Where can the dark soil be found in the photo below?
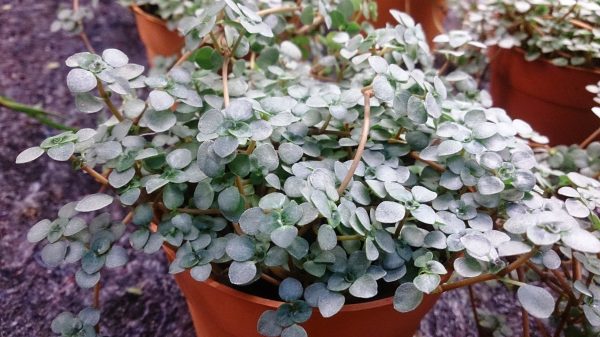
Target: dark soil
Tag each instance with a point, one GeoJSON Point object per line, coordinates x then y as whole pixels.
{"type": "Point", "coordinates": [140, 299]}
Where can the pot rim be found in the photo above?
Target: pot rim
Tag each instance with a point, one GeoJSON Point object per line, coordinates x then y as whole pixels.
{"type": "Point", "coordinates": [275, 304]}
{"type": "Point", "coordinates": [147, 16]}
{"type": "Point", "coordinates": [521, 51]}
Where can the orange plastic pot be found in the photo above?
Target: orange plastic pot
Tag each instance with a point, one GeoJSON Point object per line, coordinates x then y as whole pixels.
{"type": "Point", "coordinates": [429, 13]}
{"type": "Point", "coordinates": [158, 39]}
{"type": "Point", "coordinates": [552, 99]}
{"type": "Point", "coordinates": [220, 311]}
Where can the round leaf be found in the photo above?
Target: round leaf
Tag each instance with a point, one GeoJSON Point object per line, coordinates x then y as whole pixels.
{"type": "Point", "coordinates": [389, 212]}
{"type": "Point", "coordinates": [241, 273]}
{"type": "Point", "coordinates": [537, 301]}
{"type": "Point", "coordinates": [407, 297]}
{"type": "Point", "coordinates": [80, 80]}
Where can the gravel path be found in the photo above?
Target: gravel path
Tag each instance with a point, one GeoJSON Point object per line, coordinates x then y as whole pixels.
{"type": "Point", "coordinates": [142, 300]}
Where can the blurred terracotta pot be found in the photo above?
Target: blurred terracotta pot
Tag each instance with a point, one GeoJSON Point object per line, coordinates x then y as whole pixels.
{"type": "Point", "coordinates": [158, 39]}
{"type": "Point", "coordinates": [429, 13]}
{"type": "Point", "coordinates": [552, 99]}
{"type": "Point", "coordinates": [220, 311]}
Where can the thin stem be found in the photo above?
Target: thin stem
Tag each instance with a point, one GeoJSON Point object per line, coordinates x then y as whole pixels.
{"type": "Point", "coordinates": [544, 277]}
{"type": "Point", "coordinates": [415, 155]}
{"type": "Point", "coordinates": [277, 10]}
{"type": "Point", "coordinates": [225, 73]}
{"type": "Point", "coordinates": [86, 41]}
{"type": "Point", "coordinates": [563, 319]}
{"type": "Point", "coordinates": [581, 24]}
{"type": "Point", "coordinates": [215, 42]}
{"type": "Point", "coordinates": [96, 304]}
{"type": "Point", "coordinates": [113, 109]}
{"type": "Point", "coordinates": [524, 313]}
{"type": "Point", "coordinates": [563, 283]}
{"type": "Point", "coordinates": [361, 145]}
{"type": "Point", "coordinates": [486, 277]}
{"type": "Point", "coordinates": [252, 60]}
{"type": "Point", "coordinates": [576, 270]}
{"type": "Point", "coordinates": [97, 176]}
{"type": "Point", "coordinates": [127, 218]}
{"type": "Point", "coordinates": [590, 139]}
{"type": "Point", "coordinates": [251, 147]}
{"type": "Point", "coordinates": [400, 225]}
{"type": "Point", "coordinates": [474, 309]}
{"type": "Point", "coordinates": [236, 44]}
{"type": "Point", "coordinates": [325, 124]}
{"type": "Point", "coordinates": [35, 113]}
{"type": "Point", "coordinates": [541, 328]}
{"type": "Point", "coordinates": [350, 237]}
{"type": "Point", "coordinates": [509, 280]}
{"type": "Point", "coordinates": [83, 35]}
{"type": "Point", "coordinates": [193, 211]}
{"type": "Point", "coordinates": [269, 279]}
{"type": "Point", "coordinates": [185, 56]}
{"type": "Point", "coordinates": [316, 23]}
{"type": "Point", "coordinates": [315, 131]}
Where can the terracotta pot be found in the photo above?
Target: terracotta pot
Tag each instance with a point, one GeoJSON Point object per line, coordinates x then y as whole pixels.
{"type": "Point", "coordinates": [429, 13]}
{"type": "Point", "coordinates": [220, 311]}
{"type": "Point", "coordinates": [552, 99]}
{"type": "Point", "coordinates": [158, 39]}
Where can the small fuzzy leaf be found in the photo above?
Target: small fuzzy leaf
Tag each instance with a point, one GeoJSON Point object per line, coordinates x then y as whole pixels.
{"type": "Point", "coordinates": [290, 289]}
{"type": "Point", "coordinates": [327, 237]}
{"type": "Point", "coordinates": [389, 212]}
{"type": "Point", "coordinates": [29, 154]}
{"type": "Point", "coordinates": [537, 301]}
{"type": "Point", "coordinates": [80, 80]}
{"type": "Point", "coordinates": [407, 297]}
{"type": "Point", "coordinates": [94, 202]}
{"type": "Point", "coordinates": [242, 272]}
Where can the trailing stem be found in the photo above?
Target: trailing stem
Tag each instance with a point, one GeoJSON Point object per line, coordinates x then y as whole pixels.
{"type": "Point", "coordinates": [225, 86]}
{"type": "Point", "coordinates": [35, 113]}
{"type": "Point", "coordinates": [590, 139]}
{"type": "Point", "coordinates": [106, 98]}
{"type": "Point", "coordinates": [361, 145]}
{"type": "Point", "coordinates": [524, 313]}
{"type": "Point", "coordinates": [486, 277]}
{"type": "Point", "coordinates": [83, 35]}
{"type": "Point", "coordinates": [474, 309]}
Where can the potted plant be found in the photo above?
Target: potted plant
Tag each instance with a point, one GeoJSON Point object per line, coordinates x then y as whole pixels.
{"type": "Point", "coordinates": [545, 53]}
{"type": "Point", "coordinates": [156, 21]}
{"type": "Point", "coordinates": [297, 197]}
{"type": "Point", "coordinates": [429, 13]}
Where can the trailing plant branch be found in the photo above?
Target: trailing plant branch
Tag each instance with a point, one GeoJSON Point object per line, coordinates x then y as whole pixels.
{"type": "Point", "coordinates": [590, 139]}
{"type": "Point", "coordinates": [82, 34]}
{"type": "Point", "coordinates": [361, 144]}
{"type": "Point", "coordinates": [106, 98]}
{"type": "Point", "coordinates": [486, 277]}
{"type": "Point", "coordinates": [35, 113]}
{"type": "Point", "coordinates": [277, 10]}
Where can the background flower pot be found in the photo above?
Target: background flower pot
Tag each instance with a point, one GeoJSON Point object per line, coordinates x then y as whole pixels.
{"type": "Point", "coordinates": [220, 311]}
{"type": "Point", "coordinates": [552, 99]}
{"type": "Point", "coordinates": [158, 39]}
{"type": "Point", "coordinates": [429, 13]}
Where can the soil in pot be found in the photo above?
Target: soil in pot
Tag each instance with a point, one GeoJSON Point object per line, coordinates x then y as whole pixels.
{"type": "Point", "coordinates": [218, 310]}
{"type": "Point", "coordinates": [429, 13]}
{"type": "Point", "coordinates": [552, 99]}
{"type": "Point", "coordinates": [158, 39]}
